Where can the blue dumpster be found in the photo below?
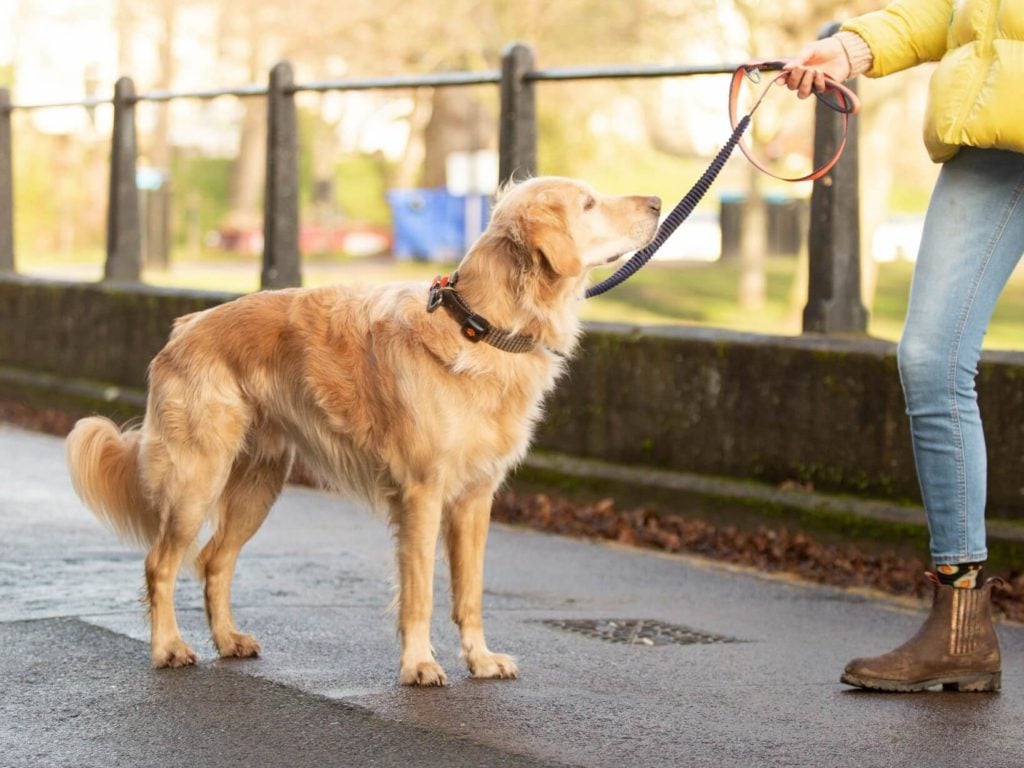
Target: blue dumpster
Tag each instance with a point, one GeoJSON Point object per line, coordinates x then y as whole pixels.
{"type": "Point", "coordinates": [430, 224]}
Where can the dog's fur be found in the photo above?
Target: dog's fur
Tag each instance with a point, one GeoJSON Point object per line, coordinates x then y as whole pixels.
{"type": "Point", "coordinates": [376, 396]}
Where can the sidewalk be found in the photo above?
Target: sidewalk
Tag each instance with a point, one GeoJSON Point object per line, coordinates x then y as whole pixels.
{"type": "Point", "coordinates": [314, 586]}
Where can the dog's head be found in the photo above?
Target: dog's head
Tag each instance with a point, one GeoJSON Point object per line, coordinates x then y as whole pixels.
{"type": "Point", "coordinates": [564, 226]}
{"type": "Point", "coordinates": [527, 271]}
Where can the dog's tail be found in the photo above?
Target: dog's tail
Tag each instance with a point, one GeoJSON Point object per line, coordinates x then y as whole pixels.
{"type": "Point", "coordinates": [104, 465]}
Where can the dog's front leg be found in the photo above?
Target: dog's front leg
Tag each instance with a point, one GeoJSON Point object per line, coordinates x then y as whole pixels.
{"type": "Point", "coordinates": [419, 523]}
{"type": "Point", "coordinates": [468, 522]}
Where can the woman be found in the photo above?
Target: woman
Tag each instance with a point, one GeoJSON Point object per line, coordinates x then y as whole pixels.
{"type": "Point", "coordinates": [973, 239]}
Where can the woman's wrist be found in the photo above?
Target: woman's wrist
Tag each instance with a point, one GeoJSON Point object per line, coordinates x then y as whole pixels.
{"type": "Point", "coordinates": [858, 53]}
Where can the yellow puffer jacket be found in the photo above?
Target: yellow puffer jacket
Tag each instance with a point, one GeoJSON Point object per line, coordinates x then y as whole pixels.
{"type": "Point", "coordinates": [976, 96]}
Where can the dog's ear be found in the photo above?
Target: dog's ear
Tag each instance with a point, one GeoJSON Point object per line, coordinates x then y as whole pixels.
{"type": "Point", "coordinates": [547, 236]}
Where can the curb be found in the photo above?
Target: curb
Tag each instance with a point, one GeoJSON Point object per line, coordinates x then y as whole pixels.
{"type": "Point", "coordinates": [875, 525]}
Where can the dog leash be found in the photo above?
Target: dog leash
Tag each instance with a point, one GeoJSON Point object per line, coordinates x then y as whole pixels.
{"type": "Point", "coordinates": [835, 96]}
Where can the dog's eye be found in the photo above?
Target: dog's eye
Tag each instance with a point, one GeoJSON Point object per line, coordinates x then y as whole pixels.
{"type": "Point", "coordinates": [590, 203]}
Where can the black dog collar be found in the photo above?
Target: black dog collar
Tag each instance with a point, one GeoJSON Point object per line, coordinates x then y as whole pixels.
{"type": "Point", "coordinates": [473, 326]}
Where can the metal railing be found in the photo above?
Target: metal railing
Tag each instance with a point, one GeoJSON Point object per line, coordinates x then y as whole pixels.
{"type": "Point", "coordinates": [834, 304]}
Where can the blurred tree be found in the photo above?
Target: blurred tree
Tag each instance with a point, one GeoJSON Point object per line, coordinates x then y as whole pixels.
{"type": "Point", "coordinates": [773, 30]}
{"type": "Point", "coordinates": [244, 35]}
{"type": "Point", "coordinates": [159, 149]}
{"type": "Point", "coordinates": [125, 12]}
{"type": "Point", "coordinates": [361, 38]}
{"type": "Point", "coordinates": [455, 34]}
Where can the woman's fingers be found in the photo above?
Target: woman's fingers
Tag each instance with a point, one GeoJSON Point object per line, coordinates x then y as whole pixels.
{"type": "Point", "coordinates": [801, 80]}
{"type": "Point", "coordinates": [819, 82]}
{"type": "Point", "coordinates": [807, 81]}
{"type": "Point", "coordinates": [806, 71]}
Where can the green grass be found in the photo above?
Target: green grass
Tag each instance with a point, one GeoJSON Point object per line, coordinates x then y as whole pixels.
{"type": "Point", "coordinates": [1006, 330]}
{"type": "Point", "coordinates": [699, 293]}
{"type": "Point", "coordinates": [661, 293]}
{"type": "Point", "coordinates": [705, 294]}
{"type": "Point", "coordinates": [360, 190]}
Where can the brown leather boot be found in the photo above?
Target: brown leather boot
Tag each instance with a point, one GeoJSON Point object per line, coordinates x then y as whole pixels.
{"type": "Point", "coordinates": [955, 648]}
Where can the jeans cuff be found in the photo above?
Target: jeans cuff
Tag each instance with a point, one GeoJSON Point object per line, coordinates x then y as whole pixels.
{"type": "Point", "coordinates": [970, 557]}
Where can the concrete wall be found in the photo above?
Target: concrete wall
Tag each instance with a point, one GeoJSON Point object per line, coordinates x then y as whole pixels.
{"type": "Point", "coordinates": [83, 346]}
{"type": "Point", "coordinates": [827, 411]}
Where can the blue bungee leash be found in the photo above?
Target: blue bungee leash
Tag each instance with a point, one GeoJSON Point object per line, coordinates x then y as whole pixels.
{"type": "Point", "coordinates": [845, 103]}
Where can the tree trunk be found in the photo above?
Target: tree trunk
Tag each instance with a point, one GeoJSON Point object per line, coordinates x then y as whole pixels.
{"type": "Point", "coordinates": [457, 123]}
{"type": "Point", "coordinates": [876, 163]}
{"type": "Point", "coordinates": [407, 174]}
{"type": "Point", "coordinates": [325, 153]}
{"type": "Point", "coordinates": [753, 245]}
{"type": "Point", "coordinates": [246, 194]}
{"type": "Point", "coordinates": [125, 24]}
{"type": "Point", "coordinates": [160, 150]}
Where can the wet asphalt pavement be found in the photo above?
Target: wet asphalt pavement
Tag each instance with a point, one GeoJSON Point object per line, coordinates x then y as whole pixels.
{"type": "Point", "coordinates": [314, 587]}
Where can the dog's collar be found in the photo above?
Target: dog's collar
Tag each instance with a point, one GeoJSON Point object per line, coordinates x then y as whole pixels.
{"type": "Point", "coordinates": [474, 327]}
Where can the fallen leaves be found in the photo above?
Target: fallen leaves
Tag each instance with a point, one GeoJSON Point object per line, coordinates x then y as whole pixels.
{"type": "Point", "coordinates": [765, 548]}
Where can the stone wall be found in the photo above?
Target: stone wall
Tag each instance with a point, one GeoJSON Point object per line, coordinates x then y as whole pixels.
{"type": "Point", "coordinates": [811, 409]}
{"type": "Point", "coordinates": [825, 411]}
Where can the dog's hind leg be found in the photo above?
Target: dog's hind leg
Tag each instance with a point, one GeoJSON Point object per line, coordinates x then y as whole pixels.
{"type": "Point", "coordinates": [182, 518]}
{"type": "Point", "coordinates": [188, 454]}
{"type": "Point", "coordinates": [417, 516]}
{"type": "Point", "coordinates": [252, 487]}
{"type": "Point", "coordinates": [466, 538]}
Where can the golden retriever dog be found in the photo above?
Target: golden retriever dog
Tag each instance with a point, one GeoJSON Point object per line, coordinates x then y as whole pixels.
{"type": "Point", "coordinates": [420, 412]}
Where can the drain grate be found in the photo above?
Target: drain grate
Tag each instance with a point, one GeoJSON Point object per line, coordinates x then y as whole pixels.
{"type": "Point", "coordinates": [637, 631]}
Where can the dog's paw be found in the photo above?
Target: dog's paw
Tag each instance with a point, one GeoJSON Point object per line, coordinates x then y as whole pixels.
{"type": "Point", "coordinates": [173, 654]}
{"type": "Point", "coordinates": [492, 665]}
{"type": "Point", "coordinates": [237, 645]}
{"type": "Point", "coordinates": [425, 674]}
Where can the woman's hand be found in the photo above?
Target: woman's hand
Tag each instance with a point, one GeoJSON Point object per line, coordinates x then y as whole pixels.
{"type": "Point", "coordinates": [806, 71]}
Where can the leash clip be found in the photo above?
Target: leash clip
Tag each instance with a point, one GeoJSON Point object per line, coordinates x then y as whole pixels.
{"type": "Point", "coordinates": [435, 298]}
{"type": "Point", "coordinates": [753, 71]}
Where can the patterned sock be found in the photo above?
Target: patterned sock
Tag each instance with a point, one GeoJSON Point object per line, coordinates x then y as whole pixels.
{"type": "Point", "coordinates": [962, 576]}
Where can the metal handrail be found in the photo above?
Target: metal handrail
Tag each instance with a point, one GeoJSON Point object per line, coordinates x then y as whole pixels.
{"type": "Point", "coordinates": [242, 91]}
{"type": "Point", "coordinates": [155, 96]}
{"type": "Point", "coordinates": [87, 103]}
{"type": "Point", "coordinates": [834, 283]}
{"type": "Point", "coordinates": [436, 80]}
{"type": "Point", "coordinates": [627, 71]}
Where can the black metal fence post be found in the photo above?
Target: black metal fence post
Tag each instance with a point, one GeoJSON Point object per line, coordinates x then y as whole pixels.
{"type": "Point", "coordinates": [124, 239]}
{"type": "Point", "coordinates": [834, 302]}
{"type": "Point", "coordinates": [517, 141]}
{"type": "Point", "coordinates": [6, 185]}
{"type": "Point", "coordinates": [281, 268]}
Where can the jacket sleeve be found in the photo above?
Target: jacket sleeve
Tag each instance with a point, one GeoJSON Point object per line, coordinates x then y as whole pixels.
{"type": "Point", "coordinates": [904, 33]}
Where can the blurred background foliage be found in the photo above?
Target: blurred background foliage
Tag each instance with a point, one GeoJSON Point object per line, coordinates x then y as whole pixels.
{"type": "Point", "coordinates": [650, 136]}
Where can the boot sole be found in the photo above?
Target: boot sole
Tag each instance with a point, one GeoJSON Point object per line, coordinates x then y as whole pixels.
{"type": "Point", "coordinates": [974, 683]}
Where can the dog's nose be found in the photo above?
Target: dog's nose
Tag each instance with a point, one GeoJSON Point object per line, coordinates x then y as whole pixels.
{"type": "Point", "coordinates": [654, 203]}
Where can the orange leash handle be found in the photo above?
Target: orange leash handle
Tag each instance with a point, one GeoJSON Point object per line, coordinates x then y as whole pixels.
{"type": "Point", "coordinates": [836, 96]}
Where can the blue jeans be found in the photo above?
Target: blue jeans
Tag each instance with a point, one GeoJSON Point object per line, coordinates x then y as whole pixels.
{"type": "Point", "coordinates": [973, 239]}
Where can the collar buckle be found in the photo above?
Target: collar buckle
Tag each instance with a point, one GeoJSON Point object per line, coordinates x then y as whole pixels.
{"type": "Point", "coordinates": [435, 298]}
{"type": "Point", "coordinates": [473, 327]}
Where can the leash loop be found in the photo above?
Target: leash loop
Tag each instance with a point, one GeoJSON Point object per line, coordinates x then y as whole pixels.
{"type": "Point", "coordinates": [845, 103]}
{"type": "Point", "coordinates": [836, 97]}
